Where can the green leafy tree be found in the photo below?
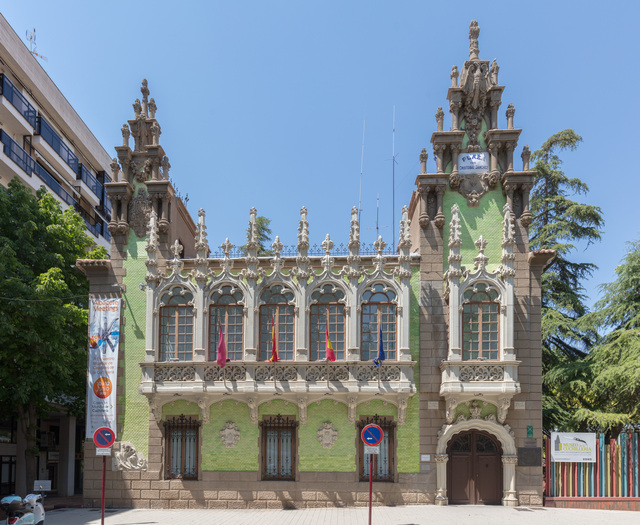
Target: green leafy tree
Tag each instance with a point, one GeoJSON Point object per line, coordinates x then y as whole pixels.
{"type": "Point", "coordinates": [614, 362]}
{"type": "Point", "coordinates": [559, 223]}
{"type": "Point", "coordinates": [263, 227]}
{"type": "Point", "coordinates": [43, 308]}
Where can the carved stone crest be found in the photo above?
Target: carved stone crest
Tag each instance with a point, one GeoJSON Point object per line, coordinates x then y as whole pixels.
{"type": "Point", "coordinates": [473, 186]}
{"type": "Point", "coordinates": [139, 212]}
{"type": "Point", "coordinates": [327, 435]}
{"type": "Point", "coordinates": [230, 435]}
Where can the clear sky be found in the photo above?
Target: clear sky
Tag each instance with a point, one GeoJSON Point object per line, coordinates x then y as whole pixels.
{"type": "Point", "coordinates": [262, 103]}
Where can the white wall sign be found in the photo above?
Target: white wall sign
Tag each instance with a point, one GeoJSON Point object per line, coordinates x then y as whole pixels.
{"type": "Point", "coordinates": [573, 447]}
{"type": "Point", "coordinates": [104, 340]}
{"type": "Point", "coordinates": [473, 162]}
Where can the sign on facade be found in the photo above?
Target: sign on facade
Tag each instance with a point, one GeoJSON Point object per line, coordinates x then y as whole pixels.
{"type": "Point", "coordinates": [473, 162]}
{"type": "Point", "coordinates": [104, 338]}
{"type": "Point", "coordinates": [573, 447]}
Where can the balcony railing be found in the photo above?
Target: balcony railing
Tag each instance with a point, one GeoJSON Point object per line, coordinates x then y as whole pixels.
{"type": "Point", "coordinates": [26, 163]}
{"type": "Point", "coordinates": [96, 229]}
{"type": "Point", "coordinates": [346, 376]}
{"type": "Point", "coordinates": [17, 100]}
{"type": "Point", "coordinates": [105, 231]}
{"type": "Point", "coordinates": [92, 183]}
{"type": "Point", "coordinates": [44, 129]}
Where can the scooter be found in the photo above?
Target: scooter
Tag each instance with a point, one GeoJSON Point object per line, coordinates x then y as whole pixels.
{"type": "Point", "coordinates": [27, 511]}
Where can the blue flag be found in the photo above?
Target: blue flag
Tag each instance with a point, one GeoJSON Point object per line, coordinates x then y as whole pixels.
{"type": "Point", "coordinates": [381, 357]}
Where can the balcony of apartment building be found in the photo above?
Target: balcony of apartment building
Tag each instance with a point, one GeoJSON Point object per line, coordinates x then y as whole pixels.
{"type": "Point", "coordinates": [50, 145]}
{"type": "Point", "coordinates": [15, 110]}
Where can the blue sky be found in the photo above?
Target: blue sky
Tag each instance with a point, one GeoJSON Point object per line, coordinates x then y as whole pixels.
{"type": "Point", "coordinates": [262, 103]}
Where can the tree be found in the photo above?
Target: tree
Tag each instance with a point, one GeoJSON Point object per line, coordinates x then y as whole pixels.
{"type": "Point", "coordinates": [264, 236]}
{"type": "Point", "coordinates": [614, 360]}
{"type": "Point", "coordinates": [43, 308]}
{"type": "Point", "coordinates": [559, 222]}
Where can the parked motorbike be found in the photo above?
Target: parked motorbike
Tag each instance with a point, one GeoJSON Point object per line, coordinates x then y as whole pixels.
{"type": "Point", "coordinates": [27, 511]}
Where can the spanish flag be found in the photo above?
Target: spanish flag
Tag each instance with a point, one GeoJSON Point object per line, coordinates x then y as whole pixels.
{"type": "Point", "coordinates": [331, 356]}
{"type": "Point", "coordinates": [274, 349]}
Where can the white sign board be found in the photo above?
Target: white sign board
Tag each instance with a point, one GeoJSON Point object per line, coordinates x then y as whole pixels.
{"type": "Point", "coordinates": [372, 450]}
{"type": "Point", "coordinates": [103, 451]}
{"type": "Point", "coordinates": [477, 162]}
{"type": "Point", "coordinates": [104, 339]}
{"type": "Point", "coordinates": [41, 485]}
{"type": "Point", "coordinates": [573, 447]}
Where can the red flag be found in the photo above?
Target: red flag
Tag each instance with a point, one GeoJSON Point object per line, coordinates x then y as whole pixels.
{"type": "Point", "coordinates": [274, 346]}
{"type": "Point", "coordinates": [331, 356]}
{"type": "Point", "coordinates": [222, 350]}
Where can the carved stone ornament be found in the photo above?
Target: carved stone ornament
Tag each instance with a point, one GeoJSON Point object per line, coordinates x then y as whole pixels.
{"type": "Point", "coordinates": [126, 457]}
{"type": "Point", "coordinates": [327, 435]}
{"type": "Point", "coordinates": [139, 212]}
{"type": "Point", "coordinates": [230, 435]}
{"type": "Point", "coordinates": [473, 186]}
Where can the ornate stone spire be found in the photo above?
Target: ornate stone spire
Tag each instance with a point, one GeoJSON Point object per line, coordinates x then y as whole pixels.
{"type": "Point", "coordinates": [226, 261]}
{"type": "Point", "coordinates": [474, 32]}
{"type": "Point", "coordinates": [202, 248]}
{"type": "Point", "coordinates": [302, 261]}
{"type": "Point", "coordinates": [152, 250]}
{"type": "Point", "coordinates": [327, 260]}
{"type": "Point", "coordinates": [455, 257]}
{"type": "Point", "coordinates": [404, 240]}
{"type": "Point", "coordinates": [353, 270]}
{"type": "Point", "coordinates": [176, 264]}
{"type": "Point", "coordinates": [507, 268]}
{"type": "Point", "coordinates": [480, 261]}
{"type": "Point", "coordinates": [379, 259]}
{"type": "Point", "coordinates": [251, 271]}
{"type": "Point", "coordinates": [276, 262]}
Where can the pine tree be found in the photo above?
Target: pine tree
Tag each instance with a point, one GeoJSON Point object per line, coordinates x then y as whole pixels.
{"type": "Point", "coordinates": [559, 223]}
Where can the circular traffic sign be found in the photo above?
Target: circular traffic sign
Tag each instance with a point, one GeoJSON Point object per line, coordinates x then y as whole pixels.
{"type": "Point", "coordinates": [104, 437]}
{"type": "Point", "coordinates": [372, 435]}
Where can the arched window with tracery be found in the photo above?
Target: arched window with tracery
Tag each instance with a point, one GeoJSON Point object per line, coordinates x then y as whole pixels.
{"type": "Point", "coordinates": [480, 323]}
{"type": "Point", "coordinates": [378, 313]}
{"type": "Point", "coordinates": [276, 309]}
{"type": "Point", "coordinates": [226, 312]}
{"type": "Point", "coordinates": [326, 313]}
{"type": "Point", "coordinates": [176, 325]}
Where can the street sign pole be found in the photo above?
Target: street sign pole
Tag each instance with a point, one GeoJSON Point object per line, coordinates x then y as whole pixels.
{"type": "Point", "coordinates": [103, 438]}
{"type": "Point", "coordinates": [371, 436]}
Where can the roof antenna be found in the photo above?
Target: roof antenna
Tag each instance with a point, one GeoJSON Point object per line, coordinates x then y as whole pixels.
{"type": "Point", "coordinates": [361, 165]}
{"type": "Point", "coordinates": [393, 178]}
{"type": "Point", "coordinates": [31, 37]}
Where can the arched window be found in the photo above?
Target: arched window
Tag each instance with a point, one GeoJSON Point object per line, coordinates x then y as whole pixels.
{"type": "Point", "coordinates": [378, 311]}
{"type": "Point", "coordinates": [176, 326]}
{"type": "Point", "coordinates": [225, 312]}
{"type": "Point", "coordinates": [326, 314]}
{"type": "Point", "coordinates": [277, 310]}
{"type": "Point", "coordinates": [480, 323]}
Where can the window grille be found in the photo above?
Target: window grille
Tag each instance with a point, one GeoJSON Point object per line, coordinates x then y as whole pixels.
{"type": "Point", "coordinates": [378, 310]}
{"type": "Point", "coordinates": [181, 437]}
{"type": "Point", "coordinates": [384, 462]}
{"type": "Point", "coordinates": [278, 447]}
{"type": "Point", "coordinates": [480, 323]}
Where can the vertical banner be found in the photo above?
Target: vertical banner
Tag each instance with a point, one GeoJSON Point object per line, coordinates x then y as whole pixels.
{"type": "Point", "coordinates": [104, 337]}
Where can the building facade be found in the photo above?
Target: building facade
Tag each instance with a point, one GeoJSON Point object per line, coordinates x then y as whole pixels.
{"type": "Point", "coordinates": [45, 143]}
{"type": "Point", "coordinates": [455, 307]}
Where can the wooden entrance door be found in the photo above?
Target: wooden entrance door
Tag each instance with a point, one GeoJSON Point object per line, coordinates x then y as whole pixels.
{"type": "Point", "coordinates": [474, 470]}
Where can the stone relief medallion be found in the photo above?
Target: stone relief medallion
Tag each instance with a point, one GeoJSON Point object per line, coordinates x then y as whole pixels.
{"type": "Point", "coordinates": [327, 435]}
{"type": "Point", "coordinates": [230, 435]}
{"type": "Point", "coordinates": [139, 212]}
{"type": "Point", "coordinates": [472, 186]}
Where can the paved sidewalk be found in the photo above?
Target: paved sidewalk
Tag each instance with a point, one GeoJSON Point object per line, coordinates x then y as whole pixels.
{"type": "Point", "coordinates": [410, 515]}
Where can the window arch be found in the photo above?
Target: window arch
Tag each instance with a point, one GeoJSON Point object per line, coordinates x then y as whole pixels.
{"type": "Point", "coordinates": [276, 309]}
{"type": "Point", "coordinates": [326, 313]}
{"type": "Point", "coordinates": [226, 312]}
{"type": "Point", "coordinates": [480, 323]}
{"type": "Point", "coordinates": [176, 325]}
{"type": "Point", "coordinates": [378, 312]}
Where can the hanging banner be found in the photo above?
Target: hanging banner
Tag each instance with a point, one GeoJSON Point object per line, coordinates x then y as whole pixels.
{"type": "Point", "coordinates": [104, 337]}
{"type": "Point", "coordinates": [573, 447]}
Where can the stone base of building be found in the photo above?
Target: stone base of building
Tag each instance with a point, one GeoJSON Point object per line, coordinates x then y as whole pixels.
{"type": "Point", "coordinates": [594, 503]}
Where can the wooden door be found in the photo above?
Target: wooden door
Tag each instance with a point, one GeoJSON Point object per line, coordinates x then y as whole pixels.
{"type": "Point", "coordinates": [474, 473]}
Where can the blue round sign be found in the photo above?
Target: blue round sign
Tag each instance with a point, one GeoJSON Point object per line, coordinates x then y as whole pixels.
{"type": "Point", "coordinates": [104, 437]}
{"type": "Point", "coordinates": [372, 435]}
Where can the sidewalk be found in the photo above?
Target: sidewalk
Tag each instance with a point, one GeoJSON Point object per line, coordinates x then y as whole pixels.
{"type": "Point", "coordinates": [409, 515]}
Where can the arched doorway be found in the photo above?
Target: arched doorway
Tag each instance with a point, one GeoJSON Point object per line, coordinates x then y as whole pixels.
{"type": "Point", "coordinates": [474, 469]}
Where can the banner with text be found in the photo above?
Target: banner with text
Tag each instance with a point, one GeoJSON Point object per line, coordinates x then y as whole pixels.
{"type": "Point", "coordinates": [104, 337]}
{"type": "Point", "coordinates": [573, 447]}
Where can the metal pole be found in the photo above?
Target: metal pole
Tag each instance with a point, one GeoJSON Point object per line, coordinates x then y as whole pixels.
{"type": "Point", "coordinates": [370, 482]}
{"type": "Point", "coordinates": [104, 469]}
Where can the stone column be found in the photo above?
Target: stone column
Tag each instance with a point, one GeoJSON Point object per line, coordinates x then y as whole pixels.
{"type": "Point", "coordinates": [439, 151]}
{"type": "Point", "coordinates": [441, 479]}
{"type": "Point", "coordinates": [509, 481]}
{"type": "Point", "coordinates": [439, 222]}
{"type": "Point", "coordinates": [424, 212]}
{"type": "Point", "coordinates": [66, 466]}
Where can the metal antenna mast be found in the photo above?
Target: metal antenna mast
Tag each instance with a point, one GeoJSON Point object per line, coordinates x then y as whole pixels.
{"type": "Point", "coordinates": [361, 165]}
{"type": "Point", "coordinates": [31, 37]}
{"type": "Point", "coordinates": [393, 178]}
